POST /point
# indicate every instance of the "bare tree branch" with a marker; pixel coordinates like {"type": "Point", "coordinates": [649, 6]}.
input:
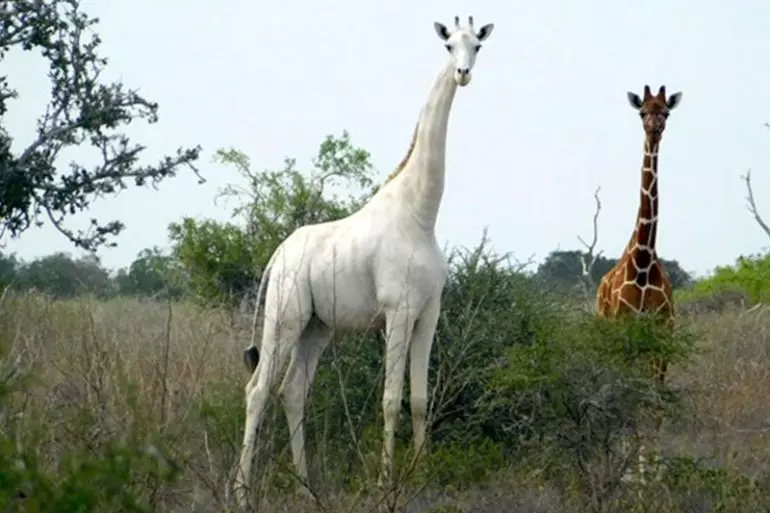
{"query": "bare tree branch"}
{"type": "Point", "coordinates": [588, 260]}
{"type": "Point", "coordinates": [519, 266]}
{"type": "Point", "coordinates": [751, 205]}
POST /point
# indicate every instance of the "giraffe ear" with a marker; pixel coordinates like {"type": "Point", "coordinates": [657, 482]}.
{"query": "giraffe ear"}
{"type": "Point", "coordinates": [485, 31]}
{"type": "Point", "coordinates": [634, 100]}
{"type": "Point", "coordinates": [441, 30]}
{"type": "Point", "coordinates": [674, 100]}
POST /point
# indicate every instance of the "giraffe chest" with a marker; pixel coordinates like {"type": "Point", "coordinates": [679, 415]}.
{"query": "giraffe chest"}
{"type": "Point", "coordinates": [636, 289]}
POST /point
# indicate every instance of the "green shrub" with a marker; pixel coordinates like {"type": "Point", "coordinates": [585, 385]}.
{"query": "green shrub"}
{"type": "Point", "coordinates": [460, 465]}
{"type": "Point", "coordinates": [581, 385]}
{"type": "Point", "coordinates": [750, 275]}
{"type": "Point", "coordinates": [691, 480]}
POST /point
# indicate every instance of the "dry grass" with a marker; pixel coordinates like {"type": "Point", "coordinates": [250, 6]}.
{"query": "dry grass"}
{"type": "Point", "coordinates": [106, 369]}
{"type": "Point", "coordinates": [727, 381]}
{"type": "Point", "coordinates": [134, 367]}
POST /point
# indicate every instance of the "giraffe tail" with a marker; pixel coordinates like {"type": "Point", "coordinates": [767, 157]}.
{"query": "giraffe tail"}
{"type": "Point", "coordinates": [251, 353]}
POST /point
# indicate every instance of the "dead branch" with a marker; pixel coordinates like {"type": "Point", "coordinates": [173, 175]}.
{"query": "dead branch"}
{"type": "Point", "coordinates": [588, 260]}
{"type": "Point", "coordinates": [751, 204]}
{"type": "Point", "coordinates": [519, 266]}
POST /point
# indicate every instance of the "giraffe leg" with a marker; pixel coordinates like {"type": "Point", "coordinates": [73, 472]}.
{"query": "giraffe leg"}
{"type": "Point", "coordinates": [399, 327]}
{"type": "Point", "coordinates": [659, 368]}
{"type": "Point", "coordinates": [649, 466]}
{"type": "Point", "coordinates": [634, 473]}
{"type": "Point", "coordinates": [419, 357]}
{"type": "Point", "coordinates": [283, 329]}
{"type": "Point", "coordinates": [294, 390]}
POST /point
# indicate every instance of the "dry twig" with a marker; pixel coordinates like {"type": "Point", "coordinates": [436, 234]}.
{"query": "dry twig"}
{"type": "Point", "coordinates": [751, 204]}
{"type": "Point", "coordinates": [588, 260]}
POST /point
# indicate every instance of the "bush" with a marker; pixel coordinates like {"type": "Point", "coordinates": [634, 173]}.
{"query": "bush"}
{"type": "Point", "coordinates": [750, 275]}
{"type": "Point", "coordinates": [582, 384]}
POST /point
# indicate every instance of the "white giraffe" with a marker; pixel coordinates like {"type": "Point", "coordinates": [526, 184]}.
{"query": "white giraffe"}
{"type": "Point", "coordinates": [380, 265]}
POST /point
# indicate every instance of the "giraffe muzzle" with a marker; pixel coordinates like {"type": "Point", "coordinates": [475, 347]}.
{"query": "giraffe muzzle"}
{"type": "Point", "coordinates": [463, 76]}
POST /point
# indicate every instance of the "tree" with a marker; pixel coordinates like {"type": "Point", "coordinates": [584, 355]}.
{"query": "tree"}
{"type": "Point", "coordinates": [563, 270]}
{"type": "Point", "coordinates": [8, 269]}
{"type": "Point", "coordinates": [222, 260]}
{"type": "Point", "coordinates": [152, 273]}
{"type": "Point", "coordinates": [60, 275]}
{"type": "Point", "coordinates": [275, 203]}
{"type": "Point", "coordinates": [83, 109]}
{"type": "Point", "coordinates": [749, 275]}
{"type": "Point", "coordinates": [217, 258]}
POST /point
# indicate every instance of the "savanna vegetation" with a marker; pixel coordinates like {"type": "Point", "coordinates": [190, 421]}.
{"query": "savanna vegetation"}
{"type": "Point", "coordinates": [122, 390]}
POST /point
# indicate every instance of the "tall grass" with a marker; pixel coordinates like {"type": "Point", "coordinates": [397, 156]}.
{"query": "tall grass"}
{"type": "Point", "coordinates": [131, 405]}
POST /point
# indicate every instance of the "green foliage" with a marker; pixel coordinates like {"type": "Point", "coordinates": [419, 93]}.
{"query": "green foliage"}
{"type": "Point", "coordinates": [8, 268]}
{"type": "Point", "coordinates": [461, 465]}
{"type": "Point", "coordinates": [726, 491]}
{"type": "Point", "coordinates": [218, 259]}
{"type": "Point", "coordinates": [82, 109]}
{"type": "Point", "coordinates": [152, 273]}
{"type": "Point", "coordinates": [85, 482]}
{"type": "Point", "coordinates": [224, 259]}
{"type": "Point", "coordinates": [60, 275]}
{"type": "Point", "coordinates": [579, 387]}
{"type": "Point", "coordinates": [749, 274]}
{"type": "Point", "coordinates": [580, 368]}
{"type": "Point", "coordinates": [488, 306]}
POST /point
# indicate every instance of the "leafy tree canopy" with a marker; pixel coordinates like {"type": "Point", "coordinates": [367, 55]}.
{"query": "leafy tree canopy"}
{"type": "Point", "coordinates": [83, 110]}
{"type": "Point", "coordinates": [222, 260]}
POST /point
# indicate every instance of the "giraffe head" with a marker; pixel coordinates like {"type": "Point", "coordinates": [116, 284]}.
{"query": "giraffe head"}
{"type": "Point", "coordinates": [654, 109]}
{"type": "Point", "coordinates": [463, 44]}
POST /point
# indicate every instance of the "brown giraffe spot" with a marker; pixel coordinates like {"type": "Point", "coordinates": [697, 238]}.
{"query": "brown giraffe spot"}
{"type": "Point", "coordinates": [656, 273]}
{"type": "Point", "coordinates": [642, 258]}
{"type": "Point", "coordinates": [654, 297]}
{"type": "Point", "coordinates": [631, 293]}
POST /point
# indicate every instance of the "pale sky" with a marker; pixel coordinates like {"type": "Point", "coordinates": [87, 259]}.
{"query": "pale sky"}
{"type": "Point", "coordinates": [544, 122]}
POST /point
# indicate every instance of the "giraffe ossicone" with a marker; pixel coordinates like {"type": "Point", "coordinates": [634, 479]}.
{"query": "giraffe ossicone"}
{"type": "Point", "coordinates": [381, 266]}
{"type": "Point", "coordinates": [638, 284]}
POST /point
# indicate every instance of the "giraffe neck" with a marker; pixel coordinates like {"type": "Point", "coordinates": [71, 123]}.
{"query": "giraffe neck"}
{"type": "Point", "coordinates": [646, 230]}
{"type": "Point", "coordinates": [422, 180]}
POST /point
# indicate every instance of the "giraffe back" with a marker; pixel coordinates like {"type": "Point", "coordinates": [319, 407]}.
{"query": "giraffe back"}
{"type": "Point", "coordinates": [402, 164]}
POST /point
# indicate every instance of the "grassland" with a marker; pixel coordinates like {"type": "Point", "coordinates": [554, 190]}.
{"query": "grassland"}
{"type": "Point", "coordinates": [145, 398]}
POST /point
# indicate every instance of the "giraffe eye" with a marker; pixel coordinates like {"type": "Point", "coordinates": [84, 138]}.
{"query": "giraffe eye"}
{"type": "Point", "coordinates": [448, 47]}
{"type": "Point", "coordinates": [478, 47]}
